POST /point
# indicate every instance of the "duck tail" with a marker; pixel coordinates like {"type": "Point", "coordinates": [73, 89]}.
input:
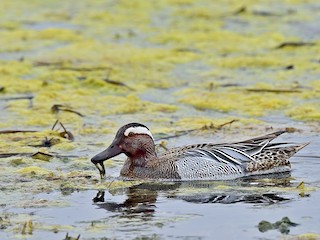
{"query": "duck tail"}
{"type": "Point", "coordinates": [300, 146]}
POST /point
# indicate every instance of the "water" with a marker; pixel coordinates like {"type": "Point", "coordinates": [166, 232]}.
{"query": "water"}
{"type": "Point", "coordinates": [187, 210]}
{"type": "Point", "coordinates": [178, 44]}
{"type": "Point", "coordinates": [168, 215]}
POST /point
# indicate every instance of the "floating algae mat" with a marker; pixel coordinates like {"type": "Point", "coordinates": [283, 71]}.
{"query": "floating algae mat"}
{"type": "Point", "coordinates": [73, 72]}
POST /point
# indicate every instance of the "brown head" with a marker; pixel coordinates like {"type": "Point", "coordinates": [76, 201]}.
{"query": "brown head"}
{"type": "Point", "coordinates": [134, 140]}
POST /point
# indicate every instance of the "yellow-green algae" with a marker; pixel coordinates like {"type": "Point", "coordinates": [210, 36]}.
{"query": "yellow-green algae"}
{"type": "Point", "coordinates": [33, 170]}
{"type": "Point", "coordinates": [305, 236]}
{"type": "Point", "coordinates": [251, 104]}
{"type": "Point", "coordinates": [306, 111]}
{"type": "Point", "coordinates": [142, 53]}
{"type": "Point", "coordinates": [23, 225]}
{"type": "Point", "coordinates": [89, 50]}
{"type": "Point", "coordinates": [62, 53]}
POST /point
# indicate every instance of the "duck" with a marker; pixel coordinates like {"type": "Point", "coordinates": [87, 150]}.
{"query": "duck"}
{"type": "Point", "coordinates": [203, 161]}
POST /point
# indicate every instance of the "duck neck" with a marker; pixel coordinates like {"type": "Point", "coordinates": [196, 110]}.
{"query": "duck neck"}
{"type": "Point", "coordinates": [146, 154]}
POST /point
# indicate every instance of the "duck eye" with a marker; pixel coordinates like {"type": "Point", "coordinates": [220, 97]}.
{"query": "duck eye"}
{"type": "Point", "coordinates": [130, 134]}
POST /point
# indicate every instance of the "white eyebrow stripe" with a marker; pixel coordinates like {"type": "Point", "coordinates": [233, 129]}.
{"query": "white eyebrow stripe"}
{"type": "Point", "coordinates": [137, 130]}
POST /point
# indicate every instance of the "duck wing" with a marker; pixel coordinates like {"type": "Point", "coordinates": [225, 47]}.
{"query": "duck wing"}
{"type": "Point", "coordinates": [213, 164]}
{"type": "Point", "coordinates": [254, 146]}
{"type": "Point", "coordinates": [243, 150]}
{"type": "Point", "coordinates": [226, 160]}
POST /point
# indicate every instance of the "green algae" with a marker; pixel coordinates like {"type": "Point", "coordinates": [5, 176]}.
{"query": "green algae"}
{"type": "Point", "coordinates": [305, 112]}
{"type": "Point", "coordinates": [306, 236]}
{"type": "Point", "coordinates": [251, 104]}
{"type": "Point", "coordinates": [33, 170]}
{"type": "Point", "coordinates": [25, 225]}
{"type": "Point", "coordinates": [75, 69]}
{"type": "Point", "coordinates": [258, 100]}
{"type": "Point", "coordinates": [145, 67]}
{"type": "Point", "coordinates": [281, 225]}
{"type": "Point", "coordinates": [188, 50]}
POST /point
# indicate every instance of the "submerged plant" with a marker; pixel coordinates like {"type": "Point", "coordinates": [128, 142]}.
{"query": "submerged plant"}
{"type": "Point", "coordinates": [282, 225]}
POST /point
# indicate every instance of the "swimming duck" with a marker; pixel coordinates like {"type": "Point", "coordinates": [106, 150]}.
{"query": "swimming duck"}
{"type": "Point", "coordinates": [204, 161]}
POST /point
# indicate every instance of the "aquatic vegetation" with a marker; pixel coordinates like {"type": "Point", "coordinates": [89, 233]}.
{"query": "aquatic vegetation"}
{"type": "Point", "coordinates": [71, 238]}
{"type": "Point", "coordinates": [307, 236]}
{"type": "Point", "coordinates": [282, 225]}
{"type": "Point", "coordinates": [33, 170]}
{"type": "Point", "coordinates": [307, 111]}
{"type": "Point", "coordinates": [190, 69]}
{"type": "Point", "coordinates": [251, 104]}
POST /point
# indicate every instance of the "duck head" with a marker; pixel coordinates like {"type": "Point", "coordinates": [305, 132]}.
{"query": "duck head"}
{"type": "Point", "coordinates": [133, 139]}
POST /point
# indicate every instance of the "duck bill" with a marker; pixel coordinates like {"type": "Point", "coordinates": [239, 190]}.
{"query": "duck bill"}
{"type": "Point", "coordinates": [97, 160]}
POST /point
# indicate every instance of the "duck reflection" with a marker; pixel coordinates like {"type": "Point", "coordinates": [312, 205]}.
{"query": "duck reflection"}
{"type": "Point", "coordinates": [142, 198]}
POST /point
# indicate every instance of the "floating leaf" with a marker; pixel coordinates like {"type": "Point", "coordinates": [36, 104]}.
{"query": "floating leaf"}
{"type": "Point", "coordinates": [42, 156]}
